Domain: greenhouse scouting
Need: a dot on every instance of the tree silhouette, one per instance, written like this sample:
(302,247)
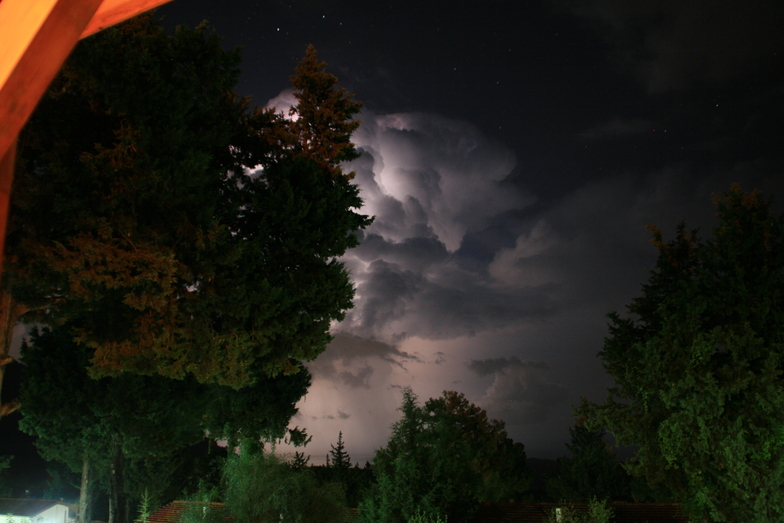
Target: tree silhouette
(340,459)
(166,236)
(591,472)
(443,458)
(698,367)
(154,206)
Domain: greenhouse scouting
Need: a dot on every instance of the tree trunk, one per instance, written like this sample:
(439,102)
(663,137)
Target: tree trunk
(10,311)
(118,500)
(85,501)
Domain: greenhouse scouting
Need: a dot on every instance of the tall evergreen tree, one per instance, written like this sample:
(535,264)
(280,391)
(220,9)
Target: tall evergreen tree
(338,459)
(321,123)
(591,472)
(698,367)
(188,234)
(112,430)
(162,230)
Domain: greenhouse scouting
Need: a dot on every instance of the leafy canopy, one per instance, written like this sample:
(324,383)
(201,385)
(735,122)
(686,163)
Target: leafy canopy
(442,459)
(698,366)
(258,486)
(592,472)
(596,512)
(188,234)
(178,245)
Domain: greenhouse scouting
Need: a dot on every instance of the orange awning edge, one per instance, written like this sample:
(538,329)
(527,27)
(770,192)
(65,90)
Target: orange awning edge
(113,12)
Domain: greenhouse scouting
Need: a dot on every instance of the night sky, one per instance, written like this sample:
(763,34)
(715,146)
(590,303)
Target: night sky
(513,154)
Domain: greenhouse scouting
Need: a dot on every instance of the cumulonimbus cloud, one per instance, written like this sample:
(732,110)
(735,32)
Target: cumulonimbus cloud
(431,181)
(352,360)
(521,389)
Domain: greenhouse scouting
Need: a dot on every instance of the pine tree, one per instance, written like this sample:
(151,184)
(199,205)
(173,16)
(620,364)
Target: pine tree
(592,471)
(136,212)
(300,461)
(340,460)
(443,458)
(322,123)
(698,367)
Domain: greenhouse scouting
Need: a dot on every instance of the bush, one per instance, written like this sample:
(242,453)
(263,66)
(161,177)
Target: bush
(420,517)
(598,512)
(262,487)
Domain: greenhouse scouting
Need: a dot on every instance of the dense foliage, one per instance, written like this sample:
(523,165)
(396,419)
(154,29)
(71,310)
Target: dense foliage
(181,249)
(262,487)
(187,234)
(596,512)
(591,471)
(129,433)
(134,426)
(698,367)
(442,459)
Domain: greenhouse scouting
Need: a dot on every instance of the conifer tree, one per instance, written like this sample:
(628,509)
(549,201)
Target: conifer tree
(187,234)
(698,367)
(338,458)
(299,461)
(172,242)
(321,119)
(443,458)
(591,471)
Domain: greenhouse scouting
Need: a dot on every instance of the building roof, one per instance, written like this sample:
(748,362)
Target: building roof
(30,507)
(538,512)
(487,513)
(172,512)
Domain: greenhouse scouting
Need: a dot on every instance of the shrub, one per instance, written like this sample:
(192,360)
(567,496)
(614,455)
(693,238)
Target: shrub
(598,512)
(420,517)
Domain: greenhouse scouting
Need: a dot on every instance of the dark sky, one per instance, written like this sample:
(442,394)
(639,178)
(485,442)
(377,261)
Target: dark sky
(514,152)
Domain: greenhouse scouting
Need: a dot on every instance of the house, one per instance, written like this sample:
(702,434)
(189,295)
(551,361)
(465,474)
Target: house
(538,512)
(36,511)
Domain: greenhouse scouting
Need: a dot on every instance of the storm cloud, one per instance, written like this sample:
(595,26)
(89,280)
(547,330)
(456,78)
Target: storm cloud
(430,182)
(672,44)
(521,390)
(466,282)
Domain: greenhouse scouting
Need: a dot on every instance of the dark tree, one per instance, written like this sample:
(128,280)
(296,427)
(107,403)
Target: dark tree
(260,487)
(299,461)
(131,432)
(698,367)
(187,234)
(323,126)
(338,459)
(112,430)
(443,458)
(338,469)
(591,472)
(181,247)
